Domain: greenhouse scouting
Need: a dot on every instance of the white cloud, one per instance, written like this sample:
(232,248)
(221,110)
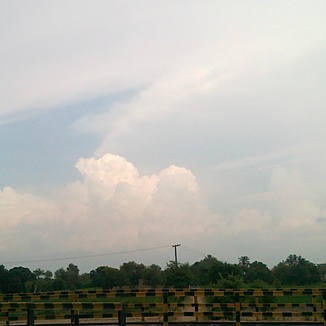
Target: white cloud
(112,208)
(115,208)
(293,198)
(19,208)
(123,204)
(262,160)
(62,53)
(20,212)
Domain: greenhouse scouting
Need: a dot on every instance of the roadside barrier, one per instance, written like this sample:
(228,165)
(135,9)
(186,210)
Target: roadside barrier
(31,311)
(168,305)
(172,292)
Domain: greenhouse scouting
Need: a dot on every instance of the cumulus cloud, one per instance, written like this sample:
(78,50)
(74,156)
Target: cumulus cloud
(22,208)
(140,209)
(113,207)
(21,216)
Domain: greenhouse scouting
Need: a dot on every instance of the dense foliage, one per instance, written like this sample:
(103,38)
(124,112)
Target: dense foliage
(209,272)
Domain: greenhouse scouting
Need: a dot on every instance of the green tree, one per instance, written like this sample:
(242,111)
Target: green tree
(231,282)
(59,284)
(4,279)
(67,279)
(206,271)
(19,277)
(44,280)
(85,281)
(153,275)
(210,270)
(73,278)
(258,271)
(104,277)
(131,273)
(296,270)
(178,276)
(322,271)
(293,260)
(244,263)
(60,280)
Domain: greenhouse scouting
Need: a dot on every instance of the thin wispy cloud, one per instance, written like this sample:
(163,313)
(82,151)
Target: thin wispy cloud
(301,154)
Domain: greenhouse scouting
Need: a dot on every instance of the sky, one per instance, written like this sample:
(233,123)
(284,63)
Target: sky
(129,126)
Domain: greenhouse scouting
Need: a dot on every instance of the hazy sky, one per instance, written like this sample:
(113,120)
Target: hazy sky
(129,125)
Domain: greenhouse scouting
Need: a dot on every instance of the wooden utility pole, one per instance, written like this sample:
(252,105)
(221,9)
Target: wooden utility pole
(175,253)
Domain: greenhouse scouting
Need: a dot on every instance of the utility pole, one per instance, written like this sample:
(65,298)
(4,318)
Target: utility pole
(175,253)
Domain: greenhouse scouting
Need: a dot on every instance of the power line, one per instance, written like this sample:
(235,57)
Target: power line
(85,256)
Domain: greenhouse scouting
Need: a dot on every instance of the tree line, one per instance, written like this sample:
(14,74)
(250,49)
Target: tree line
(208,272)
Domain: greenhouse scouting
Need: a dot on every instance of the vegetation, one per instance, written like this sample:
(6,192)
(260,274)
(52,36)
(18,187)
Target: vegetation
(209,272)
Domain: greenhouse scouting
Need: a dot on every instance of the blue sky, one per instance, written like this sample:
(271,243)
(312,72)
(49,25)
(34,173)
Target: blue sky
(50,143)
(132,125)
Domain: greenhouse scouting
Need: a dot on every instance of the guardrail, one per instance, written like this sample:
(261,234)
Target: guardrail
(169,306)
(31,311)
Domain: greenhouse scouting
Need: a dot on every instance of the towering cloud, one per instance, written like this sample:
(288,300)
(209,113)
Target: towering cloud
(113,207)
(120,203)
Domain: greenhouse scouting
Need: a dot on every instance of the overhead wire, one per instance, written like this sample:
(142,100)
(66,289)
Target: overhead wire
(85,256)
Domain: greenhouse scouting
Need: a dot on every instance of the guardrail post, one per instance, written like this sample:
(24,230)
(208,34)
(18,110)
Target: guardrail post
(257,306)
(74,318)
(165,310)
(142,309)
(30,315)
(324,306)
(122,315)
(7,314)
(196,306)
(314,308)
(237,310)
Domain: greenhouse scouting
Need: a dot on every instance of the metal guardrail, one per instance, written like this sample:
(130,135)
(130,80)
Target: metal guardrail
(31,311)
(140,293)
(30,306)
